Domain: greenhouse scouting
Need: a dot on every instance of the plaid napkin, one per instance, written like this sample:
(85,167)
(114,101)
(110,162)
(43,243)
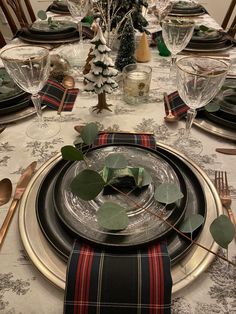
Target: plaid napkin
(178,107)
(52,93)
(119,280)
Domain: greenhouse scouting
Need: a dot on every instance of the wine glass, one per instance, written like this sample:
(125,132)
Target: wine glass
(78,10)
(199,80)
(29,67)
(161,8)
(176,34)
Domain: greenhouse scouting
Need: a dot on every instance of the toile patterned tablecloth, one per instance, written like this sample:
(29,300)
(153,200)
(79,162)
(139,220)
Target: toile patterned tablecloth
(22,288)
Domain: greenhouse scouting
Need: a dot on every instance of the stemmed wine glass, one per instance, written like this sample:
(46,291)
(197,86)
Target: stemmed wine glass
(162,8)
(29,67)
(78,9)
(176,34)
(199,80)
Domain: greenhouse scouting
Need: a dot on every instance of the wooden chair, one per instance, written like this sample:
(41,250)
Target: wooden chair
(232,28)
(2,40)
(14,10)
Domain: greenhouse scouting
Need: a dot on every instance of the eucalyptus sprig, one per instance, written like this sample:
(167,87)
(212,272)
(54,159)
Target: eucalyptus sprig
(42,15)
(111,216)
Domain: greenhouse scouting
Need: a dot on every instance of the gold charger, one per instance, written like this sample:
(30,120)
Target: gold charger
(53,268)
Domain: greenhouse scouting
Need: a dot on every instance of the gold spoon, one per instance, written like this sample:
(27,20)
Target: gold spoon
(68,82)
(5,191)
(170,117)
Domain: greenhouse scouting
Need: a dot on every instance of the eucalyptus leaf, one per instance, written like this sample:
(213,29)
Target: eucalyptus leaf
(147,179)
(203,28)
(87,184)
(42,15)
(115,161)
(167,193)
(222,231)
(89,133)
(191,223)
(137,175)
(69,152)
(212,107)
(111,216)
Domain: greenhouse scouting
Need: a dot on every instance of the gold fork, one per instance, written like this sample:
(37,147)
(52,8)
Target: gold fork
(221,184)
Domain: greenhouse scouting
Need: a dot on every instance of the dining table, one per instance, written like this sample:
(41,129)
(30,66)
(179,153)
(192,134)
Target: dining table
(24,287)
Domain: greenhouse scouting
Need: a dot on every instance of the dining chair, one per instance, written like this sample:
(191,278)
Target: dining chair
(18,13)
(2,40)
(231,29)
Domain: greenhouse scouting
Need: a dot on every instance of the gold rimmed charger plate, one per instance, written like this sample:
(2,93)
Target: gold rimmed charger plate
(18,115)
(215,129)
(53,267)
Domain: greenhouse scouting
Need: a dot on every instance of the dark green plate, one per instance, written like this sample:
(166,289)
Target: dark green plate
(42,27)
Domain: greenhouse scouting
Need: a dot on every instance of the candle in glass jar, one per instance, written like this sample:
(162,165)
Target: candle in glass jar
(136,85)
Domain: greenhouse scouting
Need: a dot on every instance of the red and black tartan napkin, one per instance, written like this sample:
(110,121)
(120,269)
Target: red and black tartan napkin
(119,281)
(178,107)
(52,93)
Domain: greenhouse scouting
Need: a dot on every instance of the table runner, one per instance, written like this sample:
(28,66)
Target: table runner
(117,280)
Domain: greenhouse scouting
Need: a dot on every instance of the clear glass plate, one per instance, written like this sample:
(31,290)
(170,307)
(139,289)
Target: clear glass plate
(80,216)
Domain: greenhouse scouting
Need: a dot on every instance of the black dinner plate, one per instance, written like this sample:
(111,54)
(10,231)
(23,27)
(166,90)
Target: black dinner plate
(219,117)
(26,32)
(16,106)
(62,239)
(221,43)
(27,36)
(139,222)
(59,9)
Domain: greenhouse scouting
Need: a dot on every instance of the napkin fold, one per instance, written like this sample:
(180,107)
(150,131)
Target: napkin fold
(178,107)
(109,281)
(52,93)
(119,280)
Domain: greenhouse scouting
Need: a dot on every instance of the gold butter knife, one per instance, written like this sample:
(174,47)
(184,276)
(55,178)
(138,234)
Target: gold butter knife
(20,188)
(227,151)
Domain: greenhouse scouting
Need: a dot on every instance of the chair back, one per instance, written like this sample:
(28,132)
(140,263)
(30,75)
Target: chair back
(17,12)
(230,28)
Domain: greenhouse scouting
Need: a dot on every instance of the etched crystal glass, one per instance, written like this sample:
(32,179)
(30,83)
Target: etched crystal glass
(29,67)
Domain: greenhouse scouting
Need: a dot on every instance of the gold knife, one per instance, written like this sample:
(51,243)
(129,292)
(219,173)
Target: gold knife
(227,151)
(20,188)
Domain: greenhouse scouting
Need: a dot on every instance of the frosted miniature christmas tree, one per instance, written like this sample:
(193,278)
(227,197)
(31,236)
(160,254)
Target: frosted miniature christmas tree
(126,51)
(99,79)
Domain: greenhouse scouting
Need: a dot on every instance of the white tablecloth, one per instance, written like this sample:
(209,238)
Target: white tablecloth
(22,288)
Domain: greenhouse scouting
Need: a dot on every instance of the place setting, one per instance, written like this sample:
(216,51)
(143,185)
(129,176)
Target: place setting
(57,216)
(186,9)
(59,7)
(209,40)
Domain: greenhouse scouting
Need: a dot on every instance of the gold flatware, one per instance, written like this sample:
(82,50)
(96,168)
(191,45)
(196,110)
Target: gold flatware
(5,191)
(221,184)
(170,117)
(20,188)
(68,82)
(227,151)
